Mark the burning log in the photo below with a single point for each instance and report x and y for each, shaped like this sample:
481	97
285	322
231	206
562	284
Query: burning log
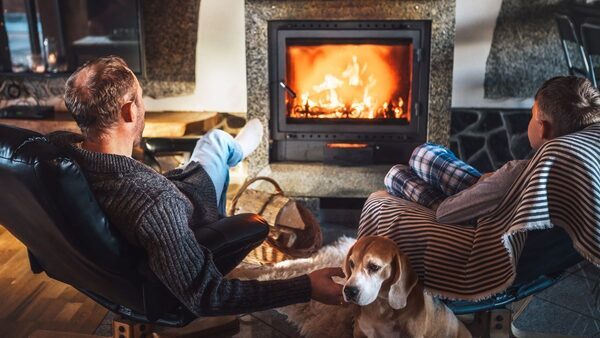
345	82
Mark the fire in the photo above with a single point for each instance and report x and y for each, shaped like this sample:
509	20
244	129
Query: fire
365	81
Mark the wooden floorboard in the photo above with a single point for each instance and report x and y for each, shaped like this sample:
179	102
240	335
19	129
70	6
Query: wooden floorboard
30	302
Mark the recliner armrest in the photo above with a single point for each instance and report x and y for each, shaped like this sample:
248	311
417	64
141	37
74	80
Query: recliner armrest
231	232
229	240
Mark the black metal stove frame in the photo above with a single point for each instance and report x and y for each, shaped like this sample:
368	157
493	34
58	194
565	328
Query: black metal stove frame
392	142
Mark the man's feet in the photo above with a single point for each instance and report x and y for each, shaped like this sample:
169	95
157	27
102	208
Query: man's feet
250	136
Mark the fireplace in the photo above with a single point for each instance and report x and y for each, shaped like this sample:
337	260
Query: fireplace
295	150
355	89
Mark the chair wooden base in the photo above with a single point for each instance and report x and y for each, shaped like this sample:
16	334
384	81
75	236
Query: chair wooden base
202	327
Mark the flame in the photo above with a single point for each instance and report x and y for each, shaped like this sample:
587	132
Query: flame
365	81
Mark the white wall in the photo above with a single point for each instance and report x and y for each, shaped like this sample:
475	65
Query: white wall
220	62
221	65
475	22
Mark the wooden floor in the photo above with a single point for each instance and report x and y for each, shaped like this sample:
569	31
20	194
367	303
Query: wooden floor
30	302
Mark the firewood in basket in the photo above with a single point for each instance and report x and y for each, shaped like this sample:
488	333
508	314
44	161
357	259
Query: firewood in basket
275	209
284	237
289	216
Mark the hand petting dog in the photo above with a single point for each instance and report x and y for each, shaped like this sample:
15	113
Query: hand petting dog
324	289
381	281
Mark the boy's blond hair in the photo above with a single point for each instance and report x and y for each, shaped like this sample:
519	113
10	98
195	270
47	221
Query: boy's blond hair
570	103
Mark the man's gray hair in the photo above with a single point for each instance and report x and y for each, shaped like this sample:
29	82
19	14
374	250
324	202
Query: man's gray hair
570	103
95	92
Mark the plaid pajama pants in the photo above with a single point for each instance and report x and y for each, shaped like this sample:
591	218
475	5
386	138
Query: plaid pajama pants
433	173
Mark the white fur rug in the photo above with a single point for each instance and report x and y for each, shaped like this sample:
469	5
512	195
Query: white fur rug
313	319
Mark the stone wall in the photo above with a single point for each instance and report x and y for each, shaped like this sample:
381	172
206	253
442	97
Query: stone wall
171	33
526	49
488	138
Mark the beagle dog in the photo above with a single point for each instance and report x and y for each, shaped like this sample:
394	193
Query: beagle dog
381	281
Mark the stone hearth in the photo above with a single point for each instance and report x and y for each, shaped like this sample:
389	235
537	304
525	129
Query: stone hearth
329	180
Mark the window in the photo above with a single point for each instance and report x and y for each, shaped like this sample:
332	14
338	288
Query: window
60	35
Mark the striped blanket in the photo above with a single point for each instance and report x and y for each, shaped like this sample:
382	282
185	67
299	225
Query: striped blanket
560	187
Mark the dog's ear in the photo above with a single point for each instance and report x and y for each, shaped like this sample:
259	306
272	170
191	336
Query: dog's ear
346	267
403	280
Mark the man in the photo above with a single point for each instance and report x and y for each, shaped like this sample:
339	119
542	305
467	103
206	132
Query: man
160	213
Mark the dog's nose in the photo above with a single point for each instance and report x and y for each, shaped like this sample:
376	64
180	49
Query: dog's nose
351	292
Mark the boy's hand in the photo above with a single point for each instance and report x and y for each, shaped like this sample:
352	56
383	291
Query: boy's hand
324	289
486	175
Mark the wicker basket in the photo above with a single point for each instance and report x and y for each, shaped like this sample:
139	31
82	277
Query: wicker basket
269	205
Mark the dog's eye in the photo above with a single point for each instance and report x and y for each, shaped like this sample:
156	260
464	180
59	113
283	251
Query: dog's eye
351	265
373	268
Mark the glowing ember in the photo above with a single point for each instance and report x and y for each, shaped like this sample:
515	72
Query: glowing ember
349	81
346	145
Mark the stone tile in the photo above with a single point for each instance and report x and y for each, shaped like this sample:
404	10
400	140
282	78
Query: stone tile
481	161
573	293
577	267
454	147
470	144
462	121
520	148
278	322
489	121
252	327
348	217
495	138
589	271
517	122
547	318
500	151
331	232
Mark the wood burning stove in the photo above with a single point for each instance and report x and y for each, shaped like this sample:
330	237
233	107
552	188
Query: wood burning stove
351	85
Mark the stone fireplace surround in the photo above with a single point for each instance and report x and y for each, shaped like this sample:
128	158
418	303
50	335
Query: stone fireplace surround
317	179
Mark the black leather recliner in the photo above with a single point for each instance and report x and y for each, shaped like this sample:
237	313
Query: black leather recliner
46	203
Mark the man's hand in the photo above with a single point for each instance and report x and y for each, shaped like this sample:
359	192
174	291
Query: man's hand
324	289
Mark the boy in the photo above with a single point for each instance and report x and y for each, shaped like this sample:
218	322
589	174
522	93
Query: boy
459	193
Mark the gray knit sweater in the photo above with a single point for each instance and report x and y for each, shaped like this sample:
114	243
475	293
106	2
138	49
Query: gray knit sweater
157	213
